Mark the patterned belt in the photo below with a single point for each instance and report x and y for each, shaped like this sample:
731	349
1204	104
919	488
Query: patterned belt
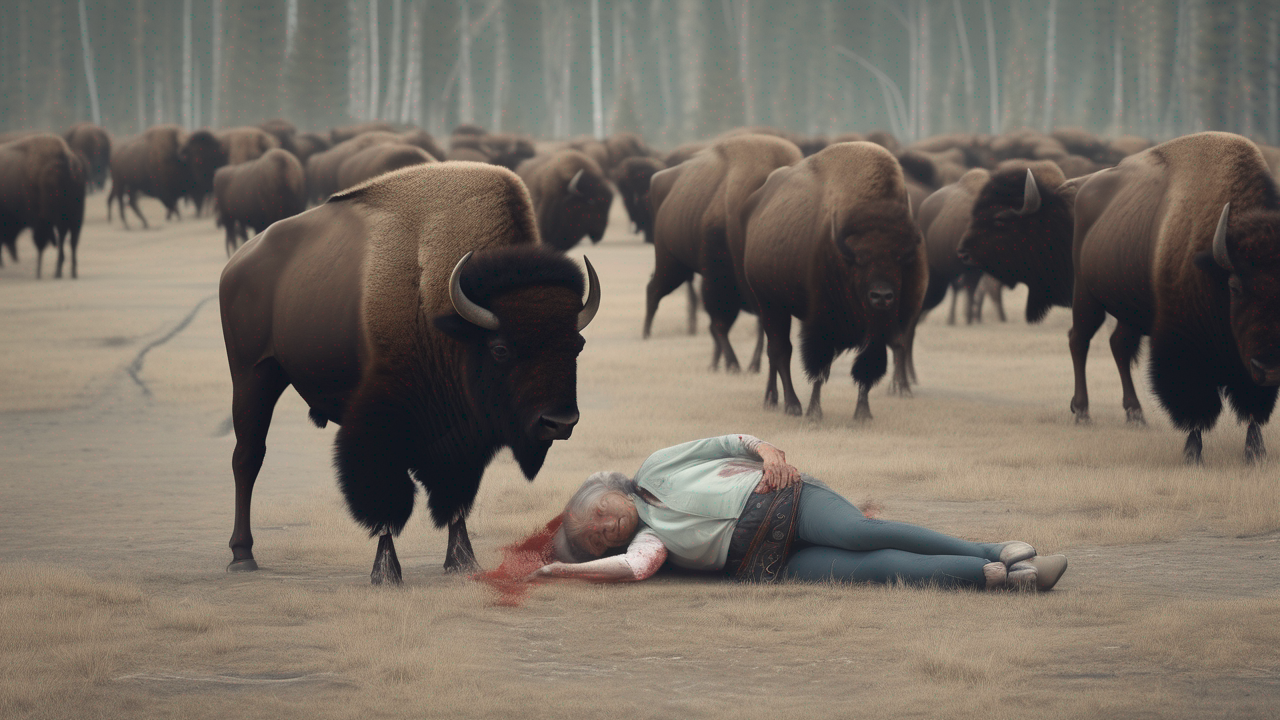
762	539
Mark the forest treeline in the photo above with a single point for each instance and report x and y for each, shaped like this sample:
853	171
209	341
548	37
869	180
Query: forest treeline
672	70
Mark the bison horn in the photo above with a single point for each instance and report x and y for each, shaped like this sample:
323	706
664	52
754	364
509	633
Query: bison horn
463	305
1220	254
592	304
1030	196
573	184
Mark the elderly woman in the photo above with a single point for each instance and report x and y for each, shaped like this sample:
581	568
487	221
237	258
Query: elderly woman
733	504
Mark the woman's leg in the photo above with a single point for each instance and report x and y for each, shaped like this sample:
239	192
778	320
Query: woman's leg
828	519
818	564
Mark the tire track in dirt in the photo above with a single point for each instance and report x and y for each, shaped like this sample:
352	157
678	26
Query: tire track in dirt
135	367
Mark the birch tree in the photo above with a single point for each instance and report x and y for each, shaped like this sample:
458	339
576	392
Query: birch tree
188	100
391	106
91	79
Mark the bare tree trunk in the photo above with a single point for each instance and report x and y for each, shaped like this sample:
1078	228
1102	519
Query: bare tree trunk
290	28
90	78
24	62
390	108
357	57
970	113
658	29
993	74
744	61
1273	76
215	105
692	38
501	66
411	102
597	90
466	101
188	109
1050	67
924	70
1117	87
375	81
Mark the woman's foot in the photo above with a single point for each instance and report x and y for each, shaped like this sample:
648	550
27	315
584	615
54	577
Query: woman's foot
1001	578
996	574
1015	551
1047	569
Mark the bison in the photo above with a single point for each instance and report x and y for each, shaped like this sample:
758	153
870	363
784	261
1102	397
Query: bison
1020	232
322	167
150	164
1179	242
42	186
92	142
202	153
831	241
339	135
307	144
698	218
252	195
418	312
284	132
242	144
374	161
571	197
505	149
632	177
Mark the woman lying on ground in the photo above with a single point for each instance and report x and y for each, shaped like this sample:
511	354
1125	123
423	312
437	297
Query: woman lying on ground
733	504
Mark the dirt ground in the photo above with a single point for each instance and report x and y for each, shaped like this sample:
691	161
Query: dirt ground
116	497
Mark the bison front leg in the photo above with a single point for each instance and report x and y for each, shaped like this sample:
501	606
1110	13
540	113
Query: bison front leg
867	371
1193	450
1087	317
386	566
459	557
1254	449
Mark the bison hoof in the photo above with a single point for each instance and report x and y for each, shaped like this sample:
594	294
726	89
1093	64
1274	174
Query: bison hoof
793	409
1135	416
245	565
900	389
1254	455
733	369
862	414
1082	417
754	368
467	567
815	413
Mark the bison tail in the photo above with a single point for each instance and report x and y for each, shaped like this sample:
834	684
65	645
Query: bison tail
368	457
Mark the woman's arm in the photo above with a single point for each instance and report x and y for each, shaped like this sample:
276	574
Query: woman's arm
778	473
644	556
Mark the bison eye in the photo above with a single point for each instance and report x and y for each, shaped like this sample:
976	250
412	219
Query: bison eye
500	352
1237	288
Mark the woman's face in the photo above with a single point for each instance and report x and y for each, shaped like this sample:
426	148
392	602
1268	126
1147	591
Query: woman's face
613	522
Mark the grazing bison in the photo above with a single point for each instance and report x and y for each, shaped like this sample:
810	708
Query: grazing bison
506	149
431	359
698	218
202	153
92	142
250	196
632	177
1180	242
42	186
284	132
149	163
374	161
571	197
831	242
1020	232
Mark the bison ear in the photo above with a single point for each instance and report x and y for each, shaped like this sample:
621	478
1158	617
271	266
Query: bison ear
453	325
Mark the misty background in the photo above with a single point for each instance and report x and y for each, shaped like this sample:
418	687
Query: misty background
672	70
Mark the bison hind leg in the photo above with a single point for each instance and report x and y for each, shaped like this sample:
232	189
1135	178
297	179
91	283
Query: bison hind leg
1252	404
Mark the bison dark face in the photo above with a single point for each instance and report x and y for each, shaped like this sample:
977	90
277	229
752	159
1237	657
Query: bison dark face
583	209
1246	260
878	250
1021	232
522	353
201	154
632	178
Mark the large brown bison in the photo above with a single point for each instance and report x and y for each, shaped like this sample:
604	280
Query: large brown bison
374	161
1180	242
431	359
202	153
307	144
1020	232
149	163
42	186
92	142
698	218
252	195
571	197
831	241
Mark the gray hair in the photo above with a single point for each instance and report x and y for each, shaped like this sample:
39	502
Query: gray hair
566	542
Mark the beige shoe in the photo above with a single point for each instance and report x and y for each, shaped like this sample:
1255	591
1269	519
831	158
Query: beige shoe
1015	551
1048	569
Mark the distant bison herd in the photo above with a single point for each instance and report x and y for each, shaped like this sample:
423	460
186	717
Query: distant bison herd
389	322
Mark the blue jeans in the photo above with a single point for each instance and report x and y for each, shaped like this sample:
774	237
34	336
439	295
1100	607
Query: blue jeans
837	542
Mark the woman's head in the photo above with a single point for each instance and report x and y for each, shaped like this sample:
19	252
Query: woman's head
600	516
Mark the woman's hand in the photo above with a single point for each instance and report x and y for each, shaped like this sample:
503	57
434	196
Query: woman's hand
546	571
777	473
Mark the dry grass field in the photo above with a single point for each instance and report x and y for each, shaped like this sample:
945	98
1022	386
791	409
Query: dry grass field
116	500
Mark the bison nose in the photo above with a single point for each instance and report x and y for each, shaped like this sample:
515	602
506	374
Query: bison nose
557	426
1264	374
881	297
